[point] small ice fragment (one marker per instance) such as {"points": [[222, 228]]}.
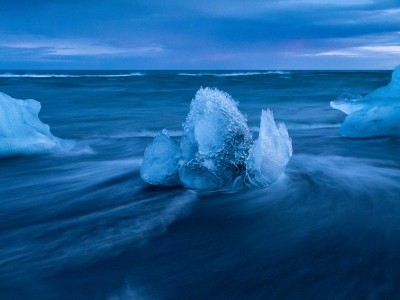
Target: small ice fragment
{"points": [[270, 153], [160, 161]]}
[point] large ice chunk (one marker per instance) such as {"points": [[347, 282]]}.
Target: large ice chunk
{"points": [[22, 132], [376, 114], [160, 161], [373, 121], [216, 148], [215, 142], [270, 153], [391, 91]]}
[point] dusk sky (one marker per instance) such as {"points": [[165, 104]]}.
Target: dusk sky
{"points": [[187, 34]]}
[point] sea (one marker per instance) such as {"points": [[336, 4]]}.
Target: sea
{"points": [[84, 225]]}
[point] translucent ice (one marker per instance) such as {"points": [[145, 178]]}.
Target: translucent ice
{"points": [[373, 121], [216, 148], [270, 153], [215, 142], [376, 114], [22, 132], [160, 161], [348, 103], [391, 91]]}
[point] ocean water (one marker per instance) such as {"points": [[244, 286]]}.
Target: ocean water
{"points": [[84, 225]]}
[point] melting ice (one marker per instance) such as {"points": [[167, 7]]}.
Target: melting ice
{"points": [[217, 147], [376, 114], [160, 161], [270, 153], [215, 141], [22, 132]]}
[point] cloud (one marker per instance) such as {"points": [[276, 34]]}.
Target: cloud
{"points": [[73, 47], [362, 51], [242, 9], [199, 34], [382, 49]]}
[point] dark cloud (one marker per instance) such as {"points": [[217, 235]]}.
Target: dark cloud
{"points": [[199, 34]]}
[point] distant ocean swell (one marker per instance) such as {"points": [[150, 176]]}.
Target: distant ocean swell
{"points": [[133, 74], [11, 75], [233, 74], [178, 133]]}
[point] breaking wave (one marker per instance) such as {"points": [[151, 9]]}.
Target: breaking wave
{"points": [[11, 75], [236, 74], [137, 134]]}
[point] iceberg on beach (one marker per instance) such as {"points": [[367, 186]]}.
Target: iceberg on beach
{"points": [[217, 147], [215, 141], [22, 132], [373, 121], [376, 114]]}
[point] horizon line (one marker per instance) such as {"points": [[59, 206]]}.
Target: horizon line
{"points": [[196, 70]]}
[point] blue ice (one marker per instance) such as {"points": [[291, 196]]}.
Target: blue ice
{"points": [[160, 161], [215, 141], [217, 147], [22, 132], [270, 153], [376, 114]]}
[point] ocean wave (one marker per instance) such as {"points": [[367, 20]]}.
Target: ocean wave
{"points": [[130, 216], [347, 173], [153, 133], [129, 293], [138, 134], [11, 75], [304, 126], [233, 74]]}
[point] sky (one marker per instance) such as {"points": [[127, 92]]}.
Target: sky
{"points": [[199, 34]]}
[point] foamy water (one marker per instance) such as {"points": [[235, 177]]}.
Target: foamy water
{"points": [[85, 226]]}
